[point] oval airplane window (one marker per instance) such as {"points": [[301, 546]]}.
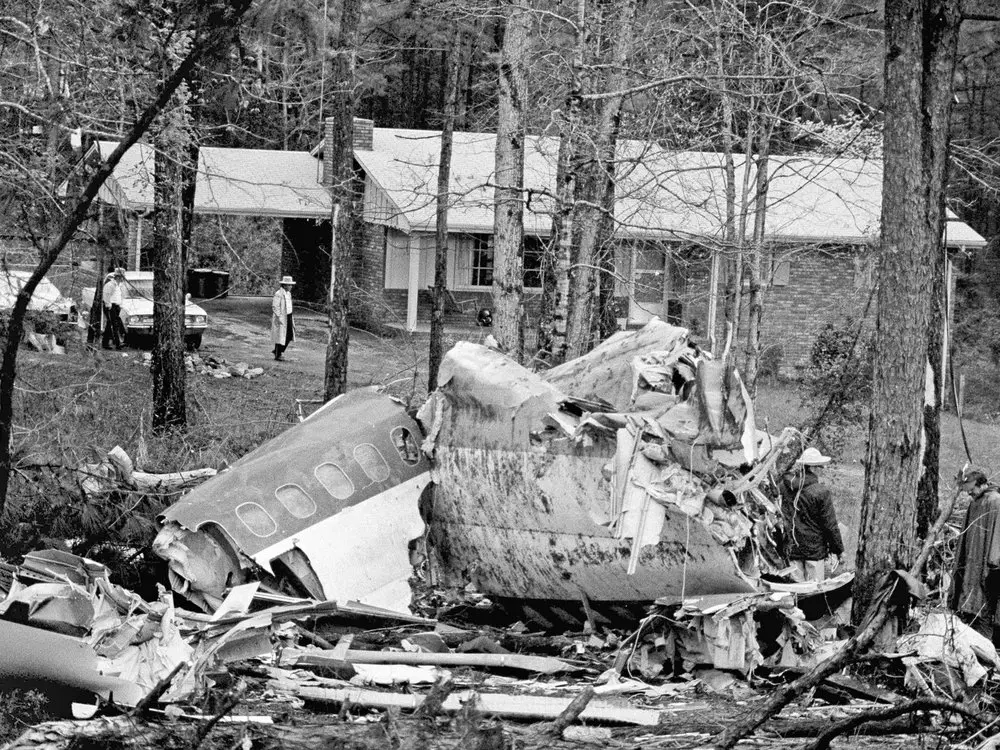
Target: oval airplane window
{"points": [[371, 462], [256, 519], [336, 482], [296, 500], [406, 446]]}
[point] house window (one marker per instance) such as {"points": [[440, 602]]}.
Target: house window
{"points": [[475, 261], [534, 250], [481, 267]]}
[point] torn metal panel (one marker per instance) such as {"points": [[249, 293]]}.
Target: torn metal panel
{"points": [[628, 363], [39, 659], [537, 499], [333, 502]]}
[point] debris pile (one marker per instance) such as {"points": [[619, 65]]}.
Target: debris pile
{"points": [[627, 486], [628, 474], [215, 367]]}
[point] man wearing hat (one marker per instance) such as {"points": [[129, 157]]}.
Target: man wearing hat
{"points": [[282, 327], [112, 296], [812, 536], [976, 585]]}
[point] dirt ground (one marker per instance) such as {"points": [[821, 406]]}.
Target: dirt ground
{"points": [[239, 331]]}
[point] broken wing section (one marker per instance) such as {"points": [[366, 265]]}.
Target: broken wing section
{"points": [[329, 506]]}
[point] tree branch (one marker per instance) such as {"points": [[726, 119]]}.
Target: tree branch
{"points": [[891, 712]]}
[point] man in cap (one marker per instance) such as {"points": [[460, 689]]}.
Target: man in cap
{"points": [[812, 537], [112, 295], [976, 585], [282, 326]]}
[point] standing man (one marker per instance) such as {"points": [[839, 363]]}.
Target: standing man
{"points": [[812, 537], [282, 327], [112, 295], [976, 586]]}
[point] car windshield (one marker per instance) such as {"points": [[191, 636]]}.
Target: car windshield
{"points": [[138, 288]]}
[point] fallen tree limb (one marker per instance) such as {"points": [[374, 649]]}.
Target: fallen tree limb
{"points": [[525, 707], [881, 714], [539, 664], [118, 471], [123, 731], [875, 619]]}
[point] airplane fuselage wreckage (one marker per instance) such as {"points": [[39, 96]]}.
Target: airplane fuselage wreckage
{"points": [[626, 475]]}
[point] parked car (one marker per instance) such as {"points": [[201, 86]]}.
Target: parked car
{"points": [[47, 298], [137, 310]]}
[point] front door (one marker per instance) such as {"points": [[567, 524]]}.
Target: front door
{"points": [[646, 296]]}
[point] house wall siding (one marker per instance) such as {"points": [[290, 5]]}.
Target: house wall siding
{"points": [[823, 287], [814, 287]]}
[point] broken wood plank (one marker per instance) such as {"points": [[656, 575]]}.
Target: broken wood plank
{"points": [[525, 707], [538, 664]]}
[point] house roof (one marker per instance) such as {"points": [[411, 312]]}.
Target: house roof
{"points": [[661, 193], [234, 181]]}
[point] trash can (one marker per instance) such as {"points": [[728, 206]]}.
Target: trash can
{"points": [[221, 284], [211, 285], [197, 278]]}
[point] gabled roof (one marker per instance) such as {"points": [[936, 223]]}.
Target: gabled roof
{"points": [[233, 181], [661, 193]]}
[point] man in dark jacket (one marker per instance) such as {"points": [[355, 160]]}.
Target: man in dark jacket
{"points": [[812, 536], [976, 586]]}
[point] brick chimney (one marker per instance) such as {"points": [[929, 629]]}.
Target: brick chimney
{"points": [[363, 140]]}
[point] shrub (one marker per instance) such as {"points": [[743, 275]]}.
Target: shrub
{"points": [[839, 375]]}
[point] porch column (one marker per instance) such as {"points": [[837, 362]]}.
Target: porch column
{"points": [[137, 250], [413, 283], [949, 319]]}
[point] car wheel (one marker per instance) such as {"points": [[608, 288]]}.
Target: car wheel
{"points": [[193, 342]]}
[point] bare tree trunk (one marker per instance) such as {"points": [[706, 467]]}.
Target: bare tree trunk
{"points": [[508, 221], [208, 36], [920, 44], [341, 136], [729, 231], [755, 296], [173, 148], [596, 191], [939, 99], [563, 220], [443, 199]]}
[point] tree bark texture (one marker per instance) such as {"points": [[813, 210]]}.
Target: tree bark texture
{"points": [[341, 137], [755, 290], [508, 221], [441, 219], [563, 227], [920, 38], [595, 188], [172, 143], [939, 64]]}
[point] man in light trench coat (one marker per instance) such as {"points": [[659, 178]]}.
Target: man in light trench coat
{"points": [[282, 326]]}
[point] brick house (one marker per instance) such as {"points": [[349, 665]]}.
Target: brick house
{"points": [[822, 218]]}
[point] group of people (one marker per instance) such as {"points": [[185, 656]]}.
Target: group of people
{"points": [[282, 323], [813, 542]]}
